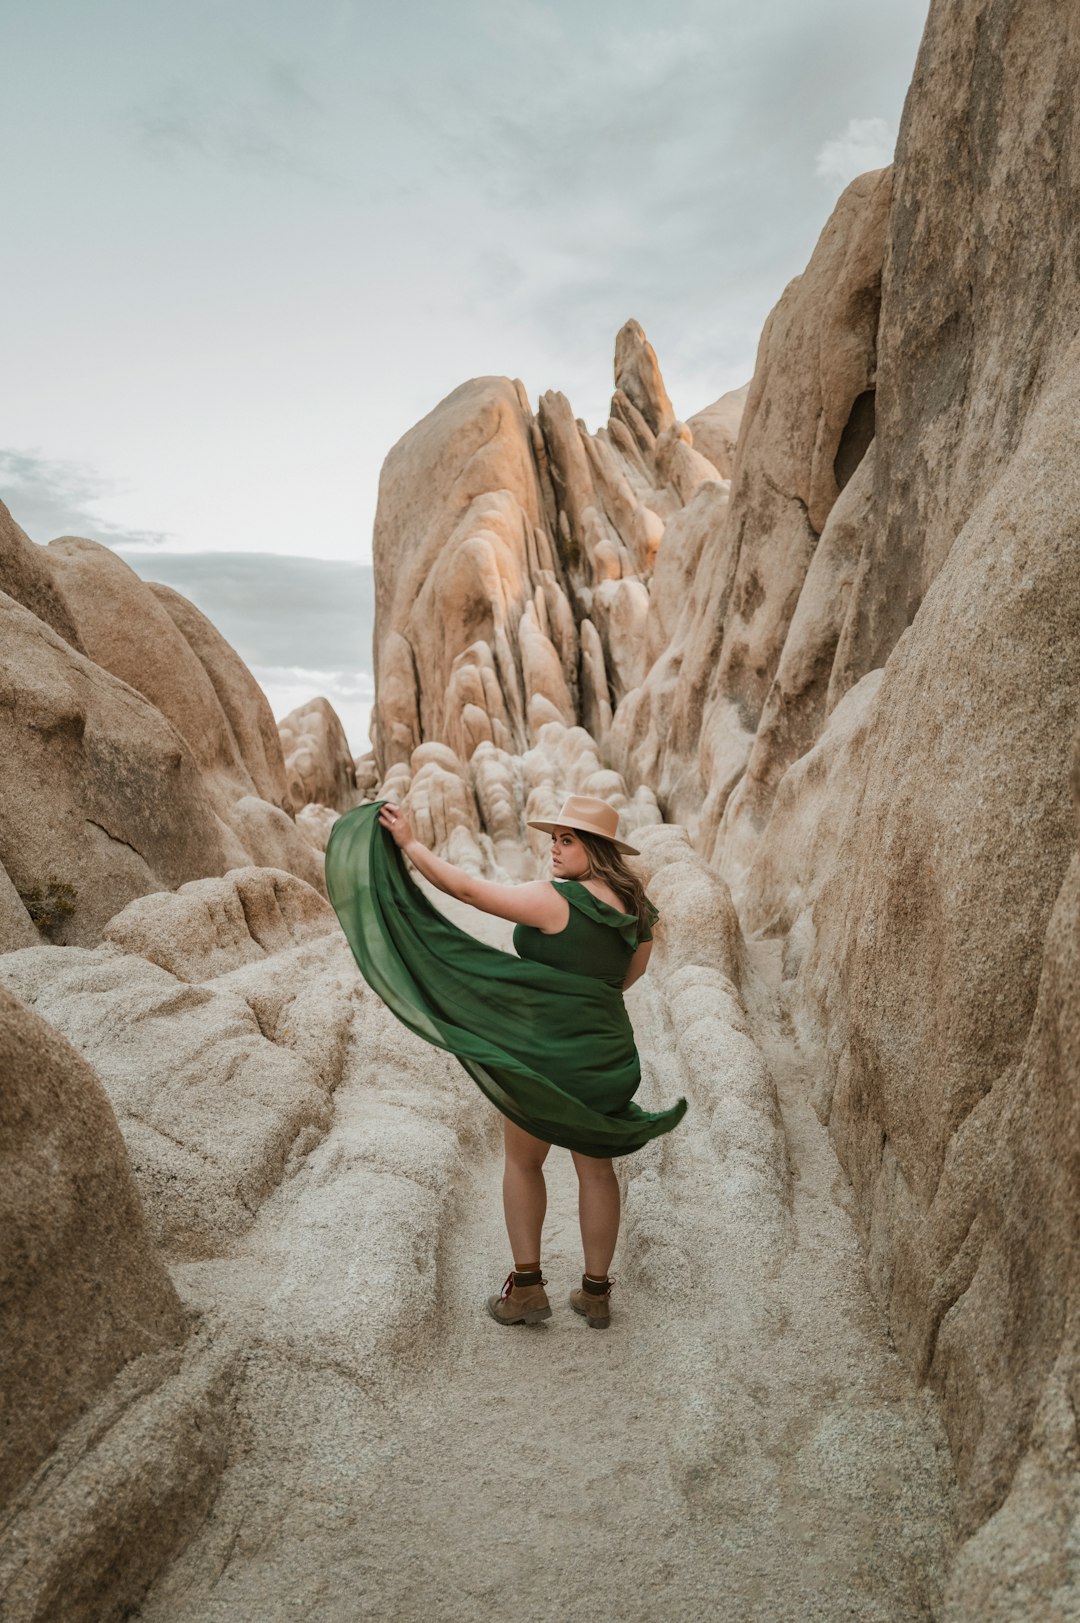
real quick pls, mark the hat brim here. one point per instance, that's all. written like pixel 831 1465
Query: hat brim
pixel 620 845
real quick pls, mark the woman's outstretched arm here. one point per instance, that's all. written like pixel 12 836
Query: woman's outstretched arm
pixel 537 903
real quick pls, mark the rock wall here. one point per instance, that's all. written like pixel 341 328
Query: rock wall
pixel 922 856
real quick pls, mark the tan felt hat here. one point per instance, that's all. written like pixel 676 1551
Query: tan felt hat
pixel 592 816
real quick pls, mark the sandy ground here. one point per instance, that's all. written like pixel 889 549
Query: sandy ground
pixel 741 1444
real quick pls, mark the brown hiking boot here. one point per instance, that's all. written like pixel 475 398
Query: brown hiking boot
pixel 522 1300
pixel 593 1303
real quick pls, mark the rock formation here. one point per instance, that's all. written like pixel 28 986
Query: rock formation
pixel 102 799
pixel 217 1016
pixel 82 1290
pixel 243 1082
pixel 139 751
pixel 514 595
pixel 319 768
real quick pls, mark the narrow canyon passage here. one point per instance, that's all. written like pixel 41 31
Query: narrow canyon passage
pixel 741 1444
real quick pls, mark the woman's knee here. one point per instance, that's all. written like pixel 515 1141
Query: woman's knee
pixel 522 1148
pixel 592 1169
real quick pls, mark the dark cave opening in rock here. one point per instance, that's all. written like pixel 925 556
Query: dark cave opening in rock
pixel 855 440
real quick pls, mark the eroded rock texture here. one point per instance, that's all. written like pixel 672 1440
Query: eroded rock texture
pixel 82 1289
pixel 735 698
pixel 216 1078
pixel 216 1020
pixel 319 768
pixel 137 750
pixel 113 1411
pixel 513 559
pixel 931 943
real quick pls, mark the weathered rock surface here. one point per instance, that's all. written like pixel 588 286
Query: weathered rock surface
pixel 926 959
pixel 923 854
pixel 245 707
pixel 269 838
pixel 17 928
pixel 716 429
pixel 833 633
pixel 159 643
pixel 25 576
pixel 137 750
pixel 217 1079
pixel 315 823
pixel 211 926
pixel 808 421
pixel 100 797
pixel 517 592
pixel 319 767
pixel 82 1290
pixel 459 508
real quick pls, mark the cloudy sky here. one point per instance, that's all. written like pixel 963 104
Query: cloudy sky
pixel 248 243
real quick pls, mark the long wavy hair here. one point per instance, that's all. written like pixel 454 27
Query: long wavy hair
pixel 607 862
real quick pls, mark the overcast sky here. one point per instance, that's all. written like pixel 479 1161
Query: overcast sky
pixel 248 243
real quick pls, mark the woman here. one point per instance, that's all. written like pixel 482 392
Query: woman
pixel 545 1035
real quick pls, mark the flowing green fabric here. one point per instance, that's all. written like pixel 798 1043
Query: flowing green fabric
pixel 551 1047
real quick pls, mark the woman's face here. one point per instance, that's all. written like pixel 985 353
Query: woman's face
pixel 569 859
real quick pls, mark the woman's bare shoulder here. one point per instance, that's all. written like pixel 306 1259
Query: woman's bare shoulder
pixel 604 893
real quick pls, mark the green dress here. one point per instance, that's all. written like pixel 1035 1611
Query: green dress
pixel 545 1035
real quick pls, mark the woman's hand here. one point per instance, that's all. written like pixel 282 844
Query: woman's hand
pixel 393 819
pixel 536 902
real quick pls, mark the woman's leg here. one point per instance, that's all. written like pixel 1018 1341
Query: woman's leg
pixel 598 1211
pixel 524 1193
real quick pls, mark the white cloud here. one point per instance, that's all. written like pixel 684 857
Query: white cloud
pixel 50 497
pixel 867 143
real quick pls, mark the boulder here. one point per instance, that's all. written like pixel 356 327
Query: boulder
pixel 244 704
pixel 216 1018
pixel 716 429
pixel 126 629
pixel 100 798
pixel 25 576
pixel 459 500
pixel 82 1288
pixel 315 822
pixel 637 376
pixel 319 767
pixel 212 926
pixel 269 838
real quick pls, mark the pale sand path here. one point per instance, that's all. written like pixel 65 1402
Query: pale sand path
pixel 742 1444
